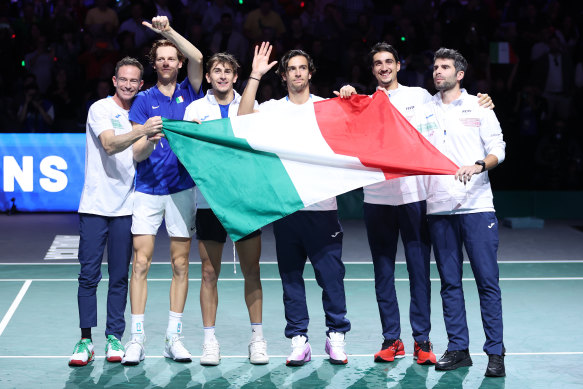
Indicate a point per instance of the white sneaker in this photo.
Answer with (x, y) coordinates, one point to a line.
(82, 353)
(258, 351)
(335, 348)
(175, 349)
(211, 354)
(134, 353)
(113, 349)
(301, 351)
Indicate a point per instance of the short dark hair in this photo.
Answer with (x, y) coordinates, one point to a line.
(224, 58)
(129, 61)
(282, 69)
(459, 62)
(380, 47)
(161, 43)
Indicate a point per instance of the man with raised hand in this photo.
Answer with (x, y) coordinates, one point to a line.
(220, 102)
(164, 189)
(397, 207)
(314, 232)
(105, 210)
(460, 210)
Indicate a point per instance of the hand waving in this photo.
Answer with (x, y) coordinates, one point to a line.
(261, 64)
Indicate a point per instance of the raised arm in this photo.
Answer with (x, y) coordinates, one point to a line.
(260, 66)
(161, 25)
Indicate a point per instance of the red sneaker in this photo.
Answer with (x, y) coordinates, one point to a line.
(391, 349)
(424, 353)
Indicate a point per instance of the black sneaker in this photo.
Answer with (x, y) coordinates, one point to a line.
(451, 360)
(495, 366)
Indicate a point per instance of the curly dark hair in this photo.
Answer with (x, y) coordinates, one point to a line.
(379, 47)
(282, 68)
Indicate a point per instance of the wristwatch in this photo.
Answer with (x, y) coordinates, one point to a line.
(482, 164)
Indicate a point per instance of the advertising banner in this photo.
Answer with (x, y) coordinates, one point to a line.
(41, 172)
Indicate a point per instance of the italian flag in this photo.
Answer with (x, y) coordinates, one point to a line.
(257, 168)
(502, 52)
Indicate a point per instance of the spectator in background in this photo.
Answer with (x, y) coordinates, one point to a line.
(40, 63)
(98, 58)
(133, 24)
(331, 31)
(297, 37)
(554, 75)
(102, 21)
(101, 89)
(213, 17)
(67, 49)
(35, 114)
(65, 103)
(559, 158)
(568, 34)
(163, 9)
(226, 39)
(260, 18)
(353, 9)
(310, 18)
(126, 45)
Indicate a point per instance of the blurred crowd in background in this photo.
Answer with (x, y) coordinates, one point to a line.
(58, 57)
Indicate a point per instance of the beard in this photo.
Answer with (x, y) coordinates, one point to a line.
(445, 85)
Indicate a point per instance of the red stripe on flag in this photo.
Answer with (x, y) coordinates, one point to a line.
(375, 132)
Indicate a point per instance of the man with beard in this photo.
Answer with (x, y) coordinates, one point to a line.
(460, 209)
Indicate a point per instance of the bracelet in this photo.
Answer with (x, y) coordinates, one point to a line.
(253, 78)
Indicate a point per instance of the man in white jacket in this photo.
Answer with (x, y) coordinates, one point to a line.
(222, 101)
(396, 208)
(460, 209)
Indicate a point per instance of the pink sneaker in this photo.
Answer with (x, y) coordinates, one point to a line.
(301, 352)
(335, 348)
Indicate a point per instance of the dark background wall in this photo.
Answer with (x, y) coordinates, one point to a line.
(61, 53)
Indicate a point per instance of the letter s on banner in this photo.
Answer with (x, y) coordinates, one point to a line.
(56, 180)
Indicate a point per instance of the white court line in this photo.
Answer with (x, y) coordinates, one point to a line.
(551, 353)
(305, 279)
(14, 305)
(275, 263)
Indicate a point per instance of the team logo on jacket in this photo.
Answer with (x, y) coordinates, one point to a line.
(116, 124)
(471, 122)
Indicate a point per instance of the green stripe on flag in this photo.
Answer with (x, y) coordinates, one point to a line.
(226, 155)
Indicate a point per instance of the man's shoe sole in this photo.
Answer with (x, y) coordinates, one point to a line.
(490, 373)
(463, 363)
(130, 363)
(378, 358)
(262, 362)
(295, 363)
